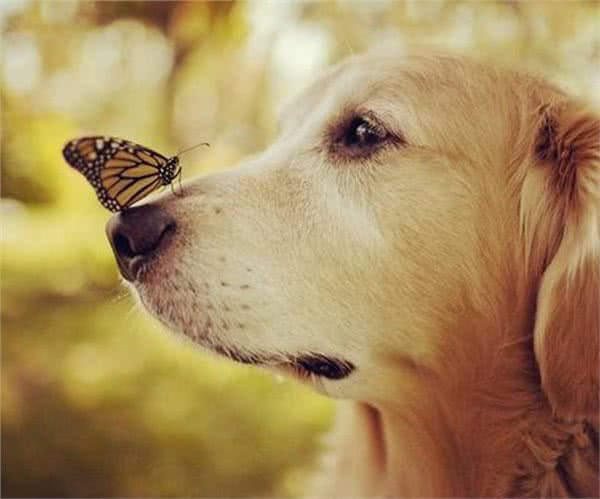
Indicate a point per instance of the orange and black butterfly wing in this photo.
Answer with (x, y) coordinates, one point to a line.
(121, 172)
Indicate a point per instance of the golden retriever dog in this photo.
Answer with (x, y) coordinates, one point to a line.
(422, 240)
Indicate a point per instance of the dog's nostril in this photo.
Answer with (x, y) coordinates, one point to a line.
(169, 228)
(122, 245)
(136, 234)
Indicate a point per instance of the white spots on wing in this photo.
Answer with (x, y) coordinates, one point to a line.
(99, 144)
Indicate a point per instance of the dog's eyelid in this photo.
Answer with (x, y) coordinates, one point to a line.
(381, 122)
(375, 125)
(386, 123)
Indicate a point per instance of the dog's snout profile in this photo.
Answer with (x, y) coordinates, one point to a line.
(135, 234)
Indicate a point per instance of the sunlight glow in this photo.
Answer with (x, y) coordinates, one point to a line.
(22, 66)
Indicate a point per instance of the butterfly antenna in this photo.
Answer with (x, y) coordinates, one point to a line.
(193, 147)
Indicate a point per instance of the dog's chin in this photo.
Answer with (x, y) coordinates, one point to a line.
(304, 366)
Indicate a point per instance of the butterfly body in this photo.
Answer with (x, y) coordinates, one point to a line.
(121, 172)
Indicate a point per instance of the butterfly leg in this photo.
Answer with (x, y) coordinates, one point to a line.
(179, 192)
(180, 186)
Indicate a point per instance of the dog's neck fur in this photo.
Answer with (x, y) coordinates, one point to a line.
(489, 433)
(409, 457)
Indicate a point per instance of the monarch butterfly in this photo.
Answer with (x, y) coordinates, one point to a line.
(121, 172)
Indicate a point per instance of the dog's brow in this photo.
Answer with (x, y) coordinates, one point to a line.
(307, 98)
(287, 110)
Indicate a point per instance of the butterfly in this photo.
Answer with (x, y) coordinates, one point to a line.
(121, 172)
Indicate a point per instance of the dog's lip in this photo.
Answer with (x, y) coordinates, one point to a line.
(302, 366)
(289, 368)
(236, 355)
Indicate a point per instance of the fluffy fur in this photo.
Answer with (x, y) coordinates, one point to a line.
(457, 268)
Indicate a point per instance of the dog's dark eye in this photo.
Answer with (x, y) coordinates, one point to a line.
(358, 137)
(363, 133)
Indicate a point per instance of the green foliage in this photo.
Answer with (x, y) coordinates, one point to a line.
(97, 400)
(94, 408)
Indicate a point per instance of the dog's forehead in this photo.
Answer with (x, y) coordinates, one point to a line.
(362, 79)
(351, 78)
(299, 104)
(409, 94)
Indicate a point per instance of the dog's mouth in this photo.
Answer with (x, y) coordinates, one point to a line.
(303, 365)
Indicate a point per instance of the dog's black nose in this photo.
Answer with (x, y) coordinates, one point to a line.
(135, 234)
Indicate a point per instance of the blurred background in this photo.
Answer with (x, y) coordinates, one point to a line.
(97, 400)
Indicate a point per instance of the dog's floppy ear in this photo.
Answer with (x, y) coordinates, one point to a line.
(564, 193)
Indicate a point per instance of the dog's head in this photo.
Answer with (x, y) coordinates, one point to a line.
(404, 205)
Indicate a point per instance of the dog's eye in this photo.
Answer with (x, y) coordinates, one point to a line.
(362, 132)
(358, 137)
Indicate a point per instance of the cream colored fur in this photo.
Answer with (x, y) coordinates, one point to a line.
(458, 269)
